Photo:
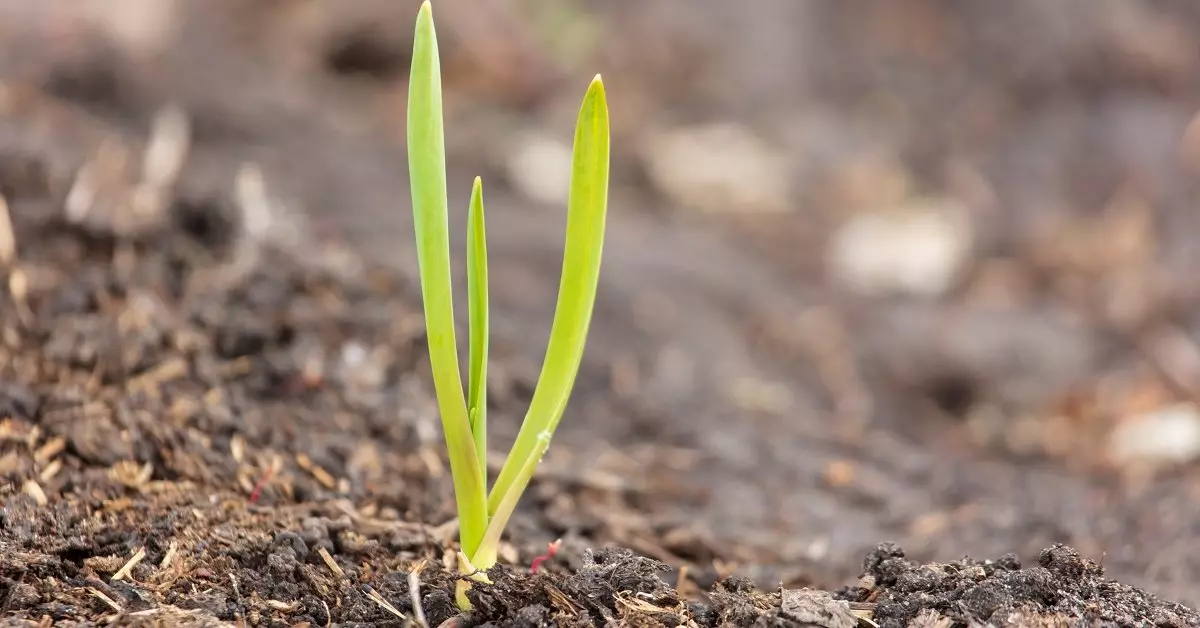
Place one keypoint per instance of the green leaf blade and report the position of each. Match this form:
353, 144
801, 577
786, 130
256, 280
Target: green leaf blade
477, 302
586, 215
427, 172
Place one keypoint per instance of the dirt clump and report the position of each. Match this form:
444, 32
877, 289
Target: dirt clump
1064, 589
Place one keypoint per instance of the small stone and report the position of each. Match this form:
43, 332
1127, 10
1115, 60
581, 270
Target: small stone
919, 249
539, 166
719, 168
1169, 435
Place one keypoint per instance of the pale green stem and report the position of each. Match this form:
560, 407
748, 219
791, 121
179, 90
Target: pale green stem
490, 546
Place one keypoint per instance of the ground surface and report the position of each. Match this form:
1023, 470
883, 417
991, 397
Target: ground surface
247, 417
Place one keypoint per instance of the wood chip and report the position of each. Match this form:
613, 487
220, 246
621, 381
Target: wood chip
182, 409
169, 556
167, 371
839, 473
631, 602
119, 504
384, 604
316, 471
330, 562
283, 606
51, 470
8, 238
50, 449
34, 490
82, 194
237, 448
131, 474
167, 149
9, 463
125, 569
104, 598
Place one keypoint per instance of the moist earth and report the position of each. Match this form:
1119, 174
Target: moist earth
189, 439
214, 406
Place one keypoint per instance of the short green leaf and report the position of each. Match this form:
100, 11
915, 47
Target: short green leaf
477, 302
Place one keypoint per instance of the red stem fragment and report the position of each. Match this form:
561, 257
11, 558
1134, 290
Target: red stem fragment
551, 550
262, 482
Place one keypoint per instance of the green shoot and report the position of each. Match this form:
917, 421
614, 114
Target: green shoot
477, 305
427, 171
483, 517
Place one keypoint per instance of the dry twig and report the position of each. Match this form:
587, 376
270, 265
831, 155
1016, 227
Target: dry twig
384, 604
133, 561
414, 593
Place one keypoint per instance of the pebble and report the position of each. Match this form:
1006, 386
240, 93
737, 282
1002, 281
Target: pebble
1169, 435
918, 249
539, 167
717, 168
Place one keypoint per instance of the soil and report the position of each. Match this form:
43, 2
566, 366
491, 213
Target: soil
205, 422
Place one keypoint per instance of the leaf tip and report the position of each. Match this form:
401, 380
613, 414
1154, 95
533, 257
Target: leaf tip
596, 90
425, 16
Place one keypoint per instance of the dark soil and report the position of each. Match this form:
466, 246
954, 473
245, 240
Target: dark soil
253, 444
1063, 589
203, 424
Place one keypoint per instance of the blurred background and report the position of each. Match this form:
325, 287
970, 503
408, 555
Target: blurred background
918, 272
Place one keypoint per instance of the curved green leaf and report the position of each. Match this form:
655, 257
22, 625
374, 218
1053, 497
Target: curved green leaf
586, 213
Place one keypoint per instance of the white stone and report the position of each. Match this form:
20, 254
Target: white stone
1169, 435
539, 167
919, 249
719, 168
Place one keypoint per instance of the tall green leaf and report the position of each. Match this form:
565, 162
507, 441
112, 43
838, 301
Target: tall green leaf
586, 212
427, 170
